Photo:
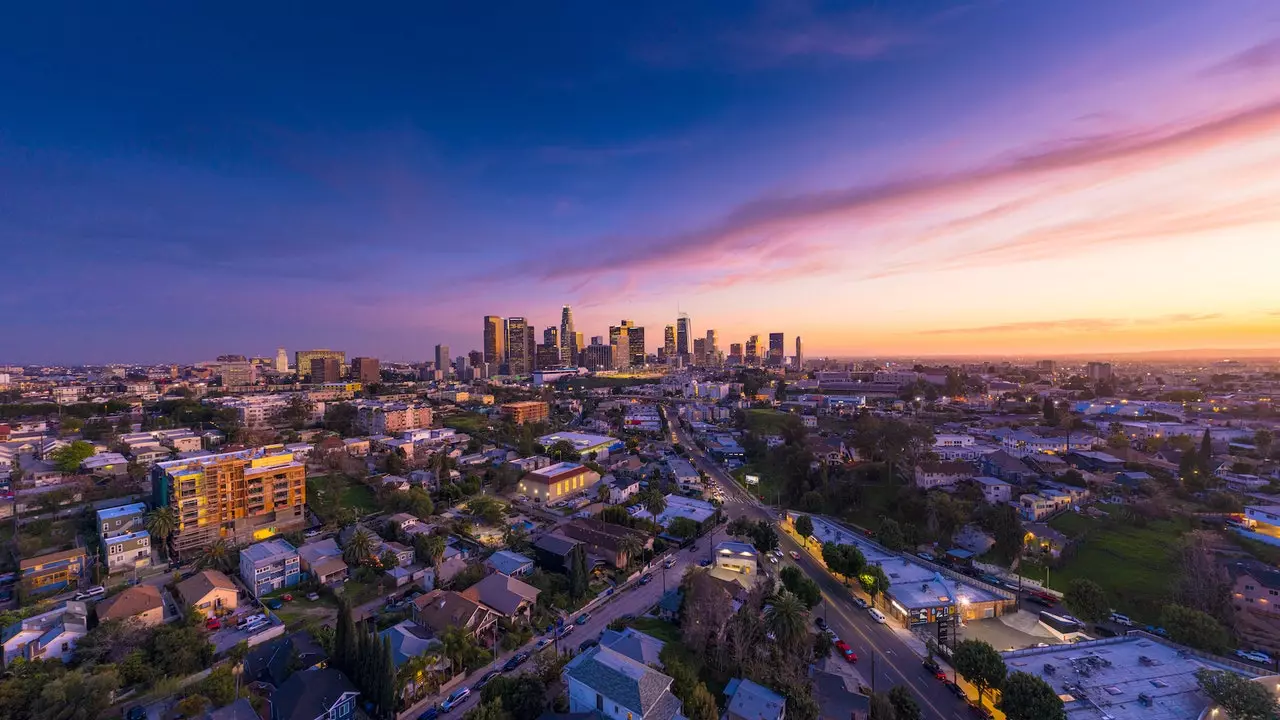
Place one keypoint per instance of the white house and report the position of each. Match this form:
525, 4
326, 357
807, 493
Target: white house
931, 475
994, 490
614, 686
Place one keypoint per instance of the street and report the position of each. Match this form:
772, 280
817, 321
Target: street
884, 658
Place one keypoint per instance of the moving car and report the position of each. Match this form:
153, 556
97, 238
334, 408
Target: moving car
1119, 619
669, 562
863, 604
773, 560
566, 630
92, 593
646, 579
795, 555
455, 699
876, 615
846, 651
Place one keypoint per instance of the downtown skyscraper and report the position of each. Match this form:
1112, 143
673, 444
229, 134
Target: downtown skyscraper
518, 361
669, 341
569, 343
495, 340
777, 350
684, 332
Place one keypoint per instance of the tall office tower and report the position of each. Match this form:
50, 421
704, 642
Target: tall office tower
753, 351
282, 360
579, 342
365, 370
713, 348
683, 333
495, 339
699, 351
636, 337
597, 340
669, 340
442, 358
597, 356
236, 373
569, 344
799, 361
232, 496
476, 357
302, 359
735, 354
620, 342
777, 351
325, 370
530, 345
517, 346
1099, 371
546, 357
462, 363
551, 338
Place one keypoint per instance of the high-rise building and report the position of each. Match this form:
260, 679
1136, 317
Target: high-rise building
302, 359
669, 340
495, 339
546, 357
282, 360
683, 334
530, 344
597, 356
476, 357
236, 373
551, 338
753, 351
777, 349
635, 335
442, 358
569, 342
620, 344
517, 346
365, 370
1099, 371
578, 343
699, 351
799, 361
597, 340
713, 348
325, 370
735, 354
239, 496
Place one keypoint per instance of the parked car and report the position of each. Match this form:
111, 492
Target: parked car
137, 712
516, 661
583, 618
669, 562
821, 622
275, 603
92, 593
1039, 600
487, 677
566, 630
646, 579
955, 689
588, 644
925, 556
1050, 599
846, 651
934, 668
1119, 619
455, 699
314, 597
1254, 656
877, 615
705, 562
863, 604
213, 623
542, 642
430, 713
773, 560
287, 597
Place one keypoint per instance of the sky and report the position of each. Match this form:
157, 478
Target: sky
183, 180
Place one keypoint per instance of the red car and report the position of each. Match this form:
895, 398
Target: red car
1049, 599
846, 651
287, 597
213, 623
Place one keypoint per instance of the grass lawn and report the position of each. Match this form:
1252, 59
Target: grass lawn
325, 493
1073, 524
660, 629
762, 421
468, 422
302, 612
46, 536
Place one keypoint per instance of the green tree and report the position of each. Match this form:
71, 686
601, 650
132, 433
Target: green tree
220, 686
359, 548
340, 418
784, 617
873, 581
579, 573
1024, 696
800, 585
68, 458
563, 450
75, 695
700, 705
1050, 411
890, 534
388, 560
904, 704
161, 523
682, 527
429, 548
1194, 628
218, 556
491, 710
1087, 599
655, 502
804, 527
489, 509
980, 664
522, 696
764, 537
1262, 440
880, 707
344, 640
844, 560
1240, 698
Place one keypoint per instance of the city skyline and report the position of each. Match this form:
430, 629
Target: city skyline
988, 179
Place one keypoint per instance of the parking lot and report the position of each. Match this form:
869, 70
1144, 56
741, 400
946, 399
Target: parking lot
230, 634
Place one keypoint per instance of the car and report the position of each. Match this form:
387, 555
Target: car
287, 597
876, 615
925, 556
646, 579
934, 668
542, 642
212, 623
588, 644
313, 596
773, 560
669, 562
1050, 599
831, 634
1039, 600
430, 713
955, 689
821, 622
487, 677
583, 618
249, 619
455, 699
255, 626
863, 604
275, 603
1157, 631
514, 662
1254, 656
92, 593
1119, 619
845, 651
981, 711
1104, 631
137, 712
705, 562
794, 555
565, 630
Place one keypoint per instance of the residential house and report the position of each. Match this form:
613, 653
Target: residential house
605, 540
139, 602
552, 552
752, 701
241, 709
315, 695
107, 464
121, 520
209, 592
405, 555
686, 476
1041, 505
505, 595
127, 552
1093, 461
622, 488
269, 566
272, 662
736, 557
442, 609
942, 474
358, 447
1003, 466
50, 635
830, 450
53, 572
837, 700
395, 482
510, 563
323, 561
644, 649
618, 688
994, 490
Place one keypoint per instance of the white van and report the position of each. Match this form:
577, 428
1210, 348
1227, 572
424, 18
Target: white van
92, 593
876, 615
1119, 619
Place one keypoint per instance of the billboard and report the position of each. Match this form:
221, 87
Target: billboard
752, 479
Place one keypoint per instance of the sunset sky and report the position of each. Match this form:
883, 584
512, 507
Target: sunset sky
916, 178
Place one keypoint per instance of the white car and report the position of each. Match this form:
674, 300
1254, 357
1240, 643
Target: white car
773, 560
455, 699
1254, 656
876, 615
96, 591
1119, 619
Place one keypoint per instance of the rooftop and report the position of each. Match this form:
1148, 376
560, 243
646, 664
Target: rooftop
630, 684
266, 550
552, 472
751, 701
121, 511
579, 441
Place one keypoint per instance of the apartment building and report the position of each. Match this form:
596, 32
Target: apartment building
381, 418
238, 496
260, 410
525, 411
53, 572
126, 544
269, 566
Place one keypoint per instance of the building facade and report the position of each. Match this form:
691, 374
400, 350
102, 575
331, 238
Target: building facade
517, 346
269, 566
365, 370
525, 411
776, 349
302, 358
495, 340
325, 370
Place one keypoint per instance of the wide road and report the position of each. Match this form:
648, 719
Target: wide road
884, 659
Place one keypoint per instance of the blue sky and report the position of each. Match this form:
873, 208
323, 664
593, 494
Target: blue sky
177, 183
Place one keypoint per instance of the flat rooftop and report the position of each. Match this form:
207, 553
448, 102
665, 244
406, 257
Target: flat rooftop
551, 472
577, 440
1103, 678
121, 511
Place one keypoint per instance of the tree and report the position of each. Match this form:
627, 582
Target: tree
218, 555
1194, 628
220, 686
873, 581
488, 509
161, 523
359, 548
340, 418
1087, 599
395, 462
1262, 440
491, 710
563, 450
73, 696
890, 534
1206, 453
429, 548
682, 527
1024, 696
523, 697
784, 618
1050, 411
804, 527
800, 585
655, 502
630, 546
1240, 698
764, 537
980, 664
881, 708
904, 704
579, 573
296, 412
700, 705
844, 560
388, 560
68, 458
602, 492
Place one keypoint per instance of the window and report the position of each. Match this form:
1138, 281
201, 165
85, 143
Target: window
599, 702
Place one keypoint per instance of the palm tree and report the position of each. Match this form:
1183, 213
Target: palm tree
359, 547
162, 523
655, 503
785, 619
217, 556
602, 492
630, 546
435, 547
